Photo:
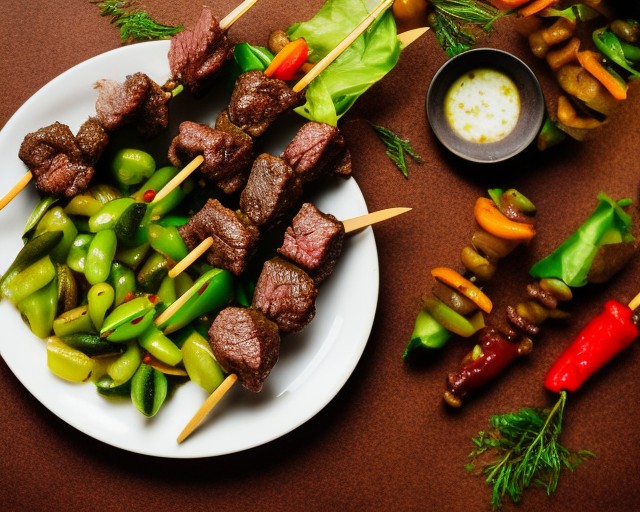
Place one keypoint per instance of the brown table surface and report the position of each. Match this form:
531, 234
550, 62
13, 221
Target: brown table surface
386, 442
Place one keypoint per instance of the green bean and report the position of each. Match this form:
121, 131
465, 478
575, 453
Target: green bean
78, 252
100, 256
56, 220
132, 166
73, 321
100, 298
159, 346
123, 281
29, 280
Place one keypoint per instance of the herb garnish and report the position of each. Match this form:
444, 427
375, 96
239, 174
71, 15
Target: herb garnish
396, 148
457, 23
135, 25
527, 452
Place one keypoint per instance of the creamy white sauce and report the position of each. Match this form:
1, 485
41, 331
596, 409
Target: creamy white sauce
482, 106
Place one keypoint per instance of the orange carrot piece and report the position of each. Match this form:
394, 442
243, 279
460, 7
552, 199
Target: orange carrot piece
495, 222
591, 62
535, 7
453, 279
505, 5
283, 55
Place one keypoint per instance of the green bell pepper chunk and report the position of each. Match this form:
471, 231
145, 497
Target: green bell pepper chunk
427, 334
123, 281
36, 215
200, 363
34, 250
56, 220
39, 309
571, 261
29, 280
128, 320
247, 57
100, 255
132, 166
211, 291
159, 346
167, 241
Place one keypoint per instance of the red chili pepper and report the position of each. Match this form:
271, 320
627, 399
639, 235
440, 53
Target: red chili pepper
149, 195
288, 60
600, 340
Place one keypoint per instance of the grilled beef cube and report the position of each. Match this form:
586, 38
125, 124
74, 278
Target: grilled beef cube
246, 343
272, 189
225, 155
234, 236
56, 161
258, 100
197, 53
285, 294
138, 100
343, 167
92, 139
316, 149
313, 241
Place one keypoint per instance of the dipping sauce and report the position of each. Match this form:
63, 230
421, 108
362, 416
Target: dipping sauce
482, 106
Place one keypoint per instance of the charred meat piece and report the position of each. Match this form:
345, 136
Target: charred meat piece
272, 189
285, 294
138, 100
92, 139
316, 150
258, 100
196, 54
56, 160
234, 236
246, 343
225, 155
313, 241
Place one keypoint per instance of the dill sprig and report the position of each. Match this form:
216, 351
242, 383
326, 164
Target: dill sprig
396, 148
458, 23
526, 452
134, 24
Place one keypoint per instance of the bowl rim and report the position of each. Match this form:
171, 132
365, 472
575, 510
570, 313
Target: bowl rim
532, 103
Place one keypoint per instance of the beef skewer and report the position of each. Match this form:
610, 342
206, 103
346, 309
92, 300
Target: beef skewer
61, 170
262, 322
258, 100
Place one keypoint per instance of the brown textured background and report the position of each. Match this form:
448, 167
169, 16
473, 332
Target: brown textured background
385, 442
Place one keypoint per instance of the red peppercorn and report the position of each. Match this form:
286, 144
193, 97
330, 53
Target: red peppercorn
149, 195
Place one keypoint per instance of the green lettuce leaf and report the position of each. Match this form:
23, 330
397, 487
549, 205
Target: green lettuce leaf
571, 261
370, 57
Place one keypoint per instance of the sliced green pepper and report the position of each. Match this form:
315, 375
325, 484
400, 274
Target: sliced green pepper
36, 215
91, 344
100, 255
132, 257
550, 135
159, 346
427, 334
247, 57
56, 220
39, 309
571, 261
129, 320
175, 221
211, 291
167, 291
167, 241
106, 386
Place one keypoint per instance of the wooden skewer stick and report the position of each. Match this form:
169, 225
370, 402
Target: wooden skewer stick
350, 226
333, 54
234, 15
179, 178
17, 188
635, 302
408, 37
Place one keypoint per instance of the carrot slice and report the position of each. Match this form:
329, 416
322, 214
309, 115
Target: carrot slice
284, 54
591, 62
535, 7
492, 220
453, 279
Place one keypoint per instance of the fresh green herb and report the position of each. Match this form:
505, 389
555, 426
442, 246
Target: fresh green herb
573, 13
527, 452
135, 25
396, 148
458, 23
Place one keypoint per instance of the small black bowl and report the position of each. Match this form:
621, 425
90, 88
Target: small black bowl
532, 106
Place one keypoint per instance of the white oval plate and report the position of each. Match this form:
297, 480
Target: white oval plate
313, 365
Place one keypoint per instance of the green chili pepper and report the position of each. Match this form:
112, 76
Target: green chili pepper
128, 320
122, 369
200, 363
152, 272
34, 250
159, 346
39, 309
132, 256
91, 344
167, 291
247, 57
129, 223
148, 389
106, 386
83, 204
100, 298
175, 221
108, 216
29, 280
427, 334
572, 260
157, 180
100, 255
56, 220
631, 52
66, 362
67, 288
78, 252
211, 291
132, 166
38, 212
167, 241
123, 281
73, 321
609, 45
